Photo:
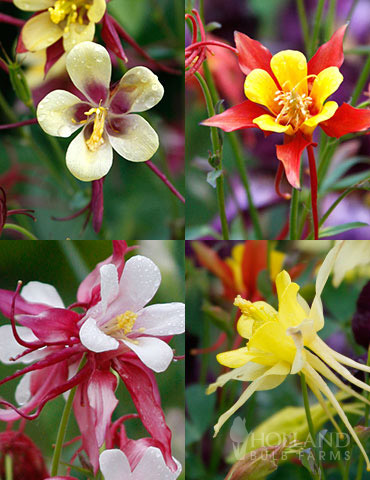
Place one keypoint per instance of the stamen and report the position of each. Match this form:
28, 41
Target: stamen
96, 138
70, 10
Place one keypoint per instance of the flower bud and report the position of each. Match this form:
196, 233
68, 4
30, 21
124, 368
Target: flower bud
19, 84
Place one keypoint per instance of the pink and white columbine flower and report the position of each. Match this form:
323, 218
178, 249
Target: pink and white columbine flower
49, 341
106, 116
122, 321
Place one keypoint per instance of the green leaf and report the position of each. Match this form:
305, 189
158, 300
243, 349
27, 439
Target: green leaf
351, 180
193, 233
201, 410
329, 231
220, 318
339, 171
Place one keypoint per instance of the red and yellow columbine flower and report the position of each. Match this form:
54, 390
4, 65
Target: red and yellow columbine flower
288, 95
72, 20
285, 342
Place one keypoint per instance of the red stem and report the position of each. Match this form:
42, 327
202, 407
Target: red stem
279, 175
165, 180
211, 42
313, 177
11, 20
31, 121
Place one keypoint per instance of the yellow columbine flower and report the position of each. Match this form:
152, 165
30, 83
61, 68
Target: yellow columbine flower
285, 342
74, 20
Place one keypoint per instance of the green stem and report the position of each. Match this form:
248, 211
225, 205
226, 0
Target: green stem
304, 23
316, 27
361, 460
8, 467
75, 259
325, 160
293, 217
351, 11
235, 145
217, 151
19, 229
330, 18
361, 81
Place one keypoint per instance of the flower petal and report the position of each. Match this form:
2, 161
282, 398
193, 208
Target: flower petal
97, 10
352, 254
40, 32
326, 83
34, 5
138, 91
330, 54
108, 283
22, 392
259, 87
290, 155
77, 34
252, 54
153, 352
235, 118
235, 358
133, 138
346, 119
327, 112
267, 122
290, 69
94, 339
153, 466
85, 164
10, 348
90, 68
55, 113
37, 292
162, 319
52, 325
114, 465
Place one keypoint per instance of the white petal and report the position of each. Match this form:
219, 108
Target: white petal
94, 339
138, 91
9, 347
85, 164
114, 465
108, 283
39, 32
22, 392
152, 466
77, 34
97, 10
153, 352
33, 5
89, 66
37, 292
136, 141
139, 283
352, 254
162, 319
55, 113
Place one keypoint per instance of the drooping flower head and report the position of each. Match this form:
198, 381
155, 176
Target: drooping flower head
285, 341
106, 115
287, 94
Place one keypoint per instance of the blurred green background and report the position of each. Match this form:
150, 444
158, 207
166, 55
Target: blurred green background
64, 264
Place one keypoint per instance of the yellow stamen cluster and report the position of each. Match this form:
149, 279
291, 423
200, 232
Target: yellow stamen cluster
96, 138
295, 108
126, 321
73, 10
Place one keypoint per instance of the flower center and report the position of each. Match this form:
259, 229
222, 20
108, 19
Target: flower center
121, 325
72, 10
295, 108
96, 138
254, 315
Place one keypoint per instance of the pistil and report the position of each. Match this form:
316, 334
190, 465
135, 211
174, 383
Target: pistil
96, 138
70, 10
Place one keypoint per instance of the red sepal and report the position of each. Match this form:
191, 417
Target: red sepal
330, 54
346, 119
252, 54
237, 117
53, 54
111, 38
21, 48
290, 155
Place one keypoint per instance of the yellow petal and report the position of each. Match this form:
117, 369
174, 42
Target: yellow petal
137, 142
291, 313
247, 373
77, 34
282, 282
40, 32
272, 338
268, 123
234, 358
97, 10
245, 326
326, 83
87, 165
327, 112
235, 264
260, 88
290, 69
352, 254
276, 263
33, 5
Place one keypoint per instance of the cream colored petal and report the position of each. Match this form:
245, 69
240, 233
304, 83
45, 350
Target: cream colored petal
89, 66
268, 123
85, 164
352, 254
326, 83
33, 5
138, 91
290, 69
324, 406
40, 32
260, 88
247, 373
77, 34
54, 113
97, 10
138, 141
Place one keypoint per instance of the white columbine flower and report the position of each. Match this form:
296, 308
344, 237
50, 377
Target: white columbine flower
121, 318
115, 466
106, 116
